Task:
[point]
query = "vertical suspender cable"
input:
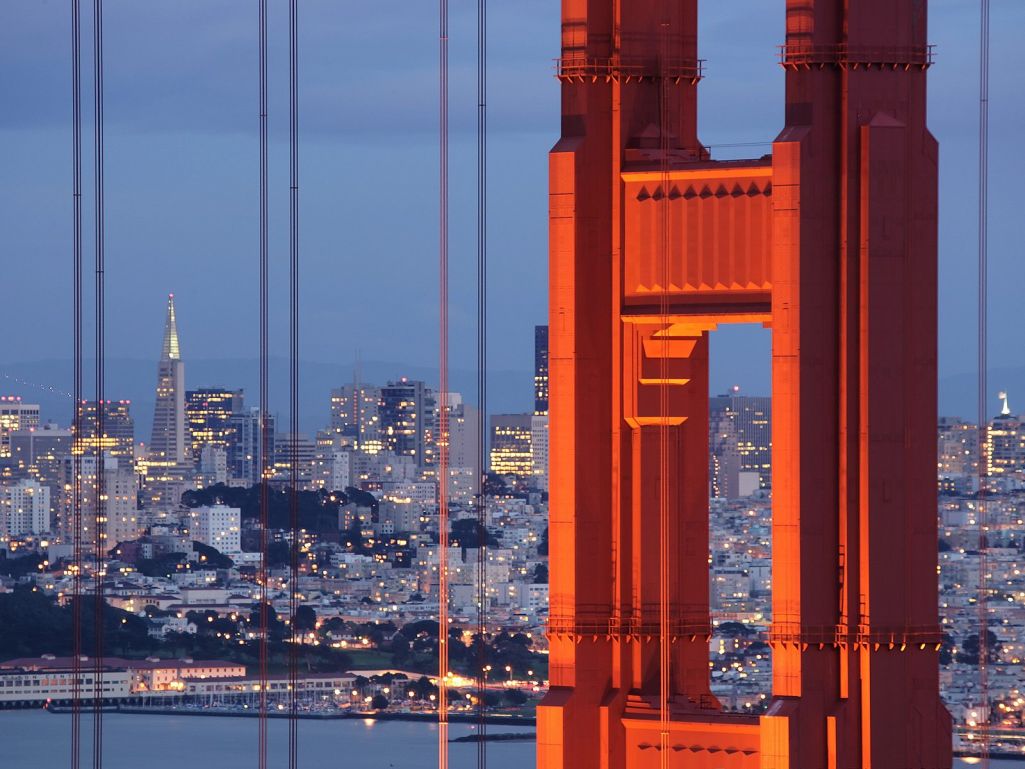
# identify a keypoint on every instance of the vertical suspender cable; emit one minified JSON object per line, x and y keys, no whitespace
{"x":76,"y":403}
{"x":482,"y":378}
{"x":293,"y":380}
{"x":664,"y":640}
{"x":99,"y":527}
{"x":983,"y":490}
{"x":443,"y":383}
{"x":264,"y":423}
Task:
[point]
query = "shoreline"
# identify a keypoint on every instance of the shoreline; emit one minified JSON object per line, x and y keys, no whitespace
{"x":995,"y":754}
{"x":454,"y":718}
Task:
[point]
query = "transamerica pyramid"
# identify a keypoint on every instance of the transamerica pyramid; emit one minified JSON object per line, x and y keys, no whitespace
{"x":168,"y":447}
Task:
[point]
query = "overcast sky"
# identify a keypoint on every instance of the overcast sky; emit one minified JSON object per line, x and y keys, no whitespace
{"x":181,"y":142}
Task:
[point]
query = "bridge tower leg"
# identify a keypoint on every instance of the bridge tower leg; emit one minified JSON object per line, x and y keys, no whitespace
{"x":832,"y":243}
{"x":611,"y":109}
{"x":855,"y":634}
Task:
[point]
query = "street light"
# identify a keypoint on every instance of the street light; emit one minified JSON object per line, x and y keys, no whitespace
{"x":484,"y":694}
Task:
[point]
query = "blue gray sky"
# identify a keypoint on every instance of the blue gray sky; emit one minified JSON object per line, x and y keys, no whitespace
{"x":181,"y":141}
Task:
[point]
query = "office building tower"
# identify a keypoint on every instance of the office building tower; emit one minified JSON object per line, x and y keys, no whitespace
{"x":463,"y":420}
{"x":334,"y":469}
{"x":212,"y":467}
{"x":957,"y":448}
{"x":356,"y":413}
{"x":15,"y":416}
{"x":118,"y":438}
{"x":218,"y":526}
{"x":541,"y":370}
{"x":740,"y":443}
{"x":167,"y":468}
{"x":119,"y":506}
{"x":369,"y":470}
{"x":36,"y":453}
{"x":120,"y":488}
{"x":723,"y":459}
{"x":24,"y":508}
{"x":539,"y":451}
{"x":409,"y":420}
{"x":304,"y":449}
{"x":1005,"y":444}
{"x":168,"y":447}
{"x":511,"y":455}
{"x":244,"y":446}
{"x":208,"y":413}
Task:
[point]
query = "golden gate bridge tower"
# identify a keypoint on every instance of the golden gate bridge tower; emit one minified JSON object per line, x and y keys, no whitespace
{"x":830,"y":242}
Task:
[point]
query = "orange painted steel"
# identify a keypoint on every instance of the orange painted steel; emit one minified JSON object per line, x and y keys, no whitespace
{"x":831,"y":242}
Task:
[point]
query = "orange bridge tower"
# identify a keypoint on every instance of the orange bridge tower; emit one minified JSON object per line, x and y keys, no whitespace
{"x":830,"y":242}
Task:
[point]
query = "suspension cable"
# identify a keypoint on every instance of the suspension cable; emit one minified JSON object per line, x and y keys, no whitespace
{"x":293,"y":381}
{"x":982,"y":601}
{"x":264,"y":417}
{"x":76,"y":401}
{"x":99,"y":526}
{"x":663,"y":430}
{"x":443,"y":635}
{"x":482,"y":380}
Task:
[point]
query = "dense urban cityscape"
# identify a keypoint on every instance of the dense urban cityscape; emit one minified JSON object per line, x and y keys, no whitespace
{"x":182,"y":544}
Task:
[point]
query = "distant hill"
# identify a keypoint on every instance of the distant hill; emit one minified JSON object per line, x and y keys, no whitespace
{"x":48,"y":383}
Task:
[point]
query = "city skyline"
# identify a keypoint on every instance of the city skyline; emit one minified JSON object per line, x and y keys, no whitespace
{"x":131,"y":380}
{"x":612,"y":369}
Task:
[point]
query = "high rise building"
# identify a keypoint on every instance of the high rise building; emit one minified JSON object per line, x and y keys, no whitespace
{"x":15,"y":416}
{"x":36,"y":453}
{"x":24,"y":507}
{"x":408,"y":420}
{"x":539,"y":450}
{"x":541,"y":370}
{"x":218,"y":526}
{"x":166,"y":468}
{"x":212,"y":467}
{"x":304,"y":449}
{"x":332,"y":468}
{"x":208,"y":414}
{"x":119,"y":506}
{"x":243,"y":451}
{"x":957,"y":449}
{"x":740,"y":443}
{"x":511,"y":437}
{"x":168,"y":447}
{"x":1005,"y":444}
{"x":463,"y":420}
{"x":356,"y":413}
{"x":118,"y":439}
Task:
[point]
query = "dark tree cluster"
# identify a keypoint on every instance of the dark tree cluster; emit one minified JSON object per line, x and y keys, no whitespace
{"x":318,"y":510}
{"x":33,"y":624}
